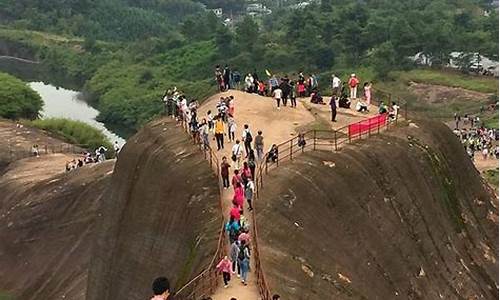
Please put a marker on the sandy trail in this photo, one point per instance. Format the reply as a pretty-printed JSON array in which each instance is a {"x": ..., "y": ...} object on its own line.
[{"x": 260, "y": 113}]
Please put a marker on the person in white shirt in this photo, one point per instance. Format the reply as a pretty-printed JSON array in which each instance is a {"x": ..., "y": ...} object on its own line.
[
  {"x": 231, "y": 124},
  {"x": 336, "y": 85},
  {"x": 249, "y": 192},
  {"x": 236, "y": 153},
  {"x": 393, "y": 114},
  {"x": 278, "y": 95}
]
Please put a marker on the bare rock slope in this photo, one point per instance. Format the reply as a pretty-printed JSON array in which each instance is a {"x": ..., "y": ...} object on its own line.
[
  {"x": 161, "y": 216},
  {"x": 401, "y": 216}
]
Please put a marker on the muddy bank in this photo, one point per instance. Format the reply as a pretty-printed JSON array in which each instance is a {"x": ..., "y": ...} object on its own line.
[
  {"x": 401, "y": 217},
  {"x": 161, "y": 216},
  {"x": 47, "y": 227}
]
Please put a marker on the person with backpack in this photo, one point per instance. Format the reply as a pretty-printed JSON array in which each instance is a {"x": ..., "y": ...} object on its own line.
[
  {"x": 247, "y": 138},
  {"x": 236, "y": 154},
  {"x": 224, "y": 172},
  {"x": 224, "y": 266},
  {"x": 233, "y": 228},
  {"x": 249, "y": 192},
  {"x": 244, "y": 261},
  {"x": 234, "y": 250},
  {"x": 353, "y": 85},
  {"x": 246, "y": 173}
]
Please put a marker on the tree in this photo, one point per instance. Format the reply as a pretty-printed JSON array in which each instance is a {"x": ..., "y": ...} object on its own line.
[
  {"x": 224, "y": 41},
  {"x": 247, "y": 33},
  {"x": 383, "y": 59}
]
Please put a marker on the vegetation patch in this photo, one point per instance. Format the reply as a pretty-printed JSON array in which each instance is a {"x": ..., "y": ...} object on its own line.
[
  {"x": 75, "y": 132},
  {"x": 17, "y": 99},
  {"x": 481, "y": 84},
  {"x": 492, "y": 177}
]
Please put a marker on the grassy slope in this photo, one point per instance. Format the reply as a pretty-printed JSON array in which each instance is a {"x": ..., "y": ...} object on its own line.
[
  {"x": 400, "y": 82},
  {"x": 452, "y": 79},
  {"x": 75, "y": 132}
]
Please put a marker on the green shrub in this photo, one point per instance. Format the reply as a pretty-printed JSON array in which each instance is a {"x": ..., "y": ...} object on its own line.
[
  {"x": 75, "y": 132},
  {"x": 18, "y": 100}
]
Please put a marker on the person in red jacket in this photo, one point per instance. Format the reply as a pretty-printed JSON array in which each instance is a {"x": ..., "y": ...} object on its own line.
[
  {"x": 353, "y": 85},
  {"x": 235, "y": 213}
]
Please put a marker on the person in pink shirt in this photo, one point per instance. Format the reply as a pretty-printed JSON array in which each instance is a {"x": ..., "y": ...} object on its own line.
[
  {"x": 236, "y": 178},
  {"x": 224, "y": 266},
  {"x": 367, "y": 87},
  {"x": 235, "y": 213},
  {"x": 161, "y": 289},
  {"x": 231, "y": 106},
  {"x": 239, "y": 197}
]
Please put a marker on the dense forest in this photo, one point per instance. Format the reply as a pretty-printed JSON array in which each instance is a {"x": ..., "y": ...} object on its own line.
[
  {"x": 19, "y": 101},
  {"x": 127, "y": 52}
]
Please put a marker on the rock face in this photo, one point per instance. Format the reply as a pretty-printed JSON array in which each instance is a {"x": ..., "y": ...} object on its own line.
[
  {"x": 161, "y": 216},
  {"x": 47, "y": 227},
  {"x": 404, "y": 216}
]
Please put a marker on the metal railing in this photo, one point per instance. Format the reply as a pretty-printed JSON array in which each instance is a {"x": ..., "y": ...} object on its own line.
[
  {"x": 332, "y": 140},
  {"x": 19, "y": 152},
  {"x": 205, "y": 283}
]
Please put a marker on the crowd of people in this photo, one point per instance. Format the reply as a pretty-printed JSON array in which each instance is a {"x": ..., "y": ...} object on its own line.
[
  {"x": 98, "y": 156},
  {"x": 285, "y": 90},
  {"x": 247, "y": 149},
  {"x": 475, "y": 137}
]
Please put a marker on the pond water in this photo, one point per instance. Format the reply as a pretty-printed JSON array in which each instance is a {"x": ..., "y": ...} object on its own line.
[{"x": 63, "y": 103}]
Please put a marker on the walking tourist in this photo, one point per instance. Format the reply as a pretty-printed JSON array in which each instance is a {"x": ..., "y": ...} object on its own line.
[
  {"x": 224, "y": 172},
  {"x": 219, "y": 133},
  {"x": 236, "y": 154},
  {"x": 244, "y": 262},
  {"x": 249, "y": 192},
  {"x": 247, "y": 139},
  {"x": 259, "y": 145},
  {"x": 277, "y": 94},
  {"x": 233, "y": 254},
  {"x": 224, "y": 267}
]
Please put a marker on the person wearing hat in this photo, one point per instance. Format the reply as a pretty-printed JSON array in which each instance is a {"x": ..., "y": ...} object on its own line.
[{"x": 353, "y": 85}]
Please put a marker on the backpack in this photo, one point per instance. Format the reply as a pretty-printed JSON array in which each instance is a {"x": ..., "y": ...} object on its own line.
[
  {"x": 248, "y": 137},
  {"x": 241, "y": 254}
]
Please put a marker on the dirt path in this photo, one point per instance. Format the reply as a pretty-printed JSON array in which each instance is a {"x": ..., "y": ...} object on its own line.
[{"x": 260, "y": 113}]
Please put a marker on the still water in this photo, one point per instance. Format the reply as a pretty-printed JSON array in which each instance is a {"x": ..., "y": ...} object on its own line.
[{"x": 63, "y": 103}]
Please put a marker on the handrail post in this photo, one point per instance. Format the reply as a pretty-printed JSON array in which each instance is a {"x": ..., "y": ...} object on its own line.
[
  {"x": 335, "y": 139},
  {"x": 291, "y": 148},
  {"x": 314, "y": 140}
]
